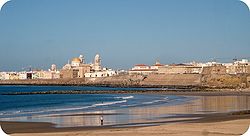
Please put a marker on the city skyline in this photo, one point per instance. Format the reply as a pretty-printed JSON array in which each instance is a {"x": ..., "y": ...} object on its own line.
[{"x": 41, "y": 33}]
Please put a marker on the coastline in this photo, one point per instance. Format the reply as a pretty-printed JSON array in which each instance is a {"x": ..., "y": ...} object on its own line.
[
  {"x": 215, "y": 124},
  {"x": 210, "y": 123}
]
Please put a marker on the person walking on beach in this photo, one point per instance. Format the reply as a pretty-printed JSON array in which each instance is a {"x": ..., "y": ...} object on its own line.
[{"x": 101, "y": 119}]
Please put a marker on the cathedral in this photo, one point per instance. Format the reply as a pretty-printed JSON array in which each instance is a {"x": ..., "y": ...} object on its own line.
[{"x": 79, "y": 69}]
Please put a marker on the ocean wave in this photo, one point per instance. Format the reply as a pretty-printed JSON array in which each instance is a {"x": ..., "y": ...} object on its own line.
[
  {"x": 166, "y": 98},
  {"x": 110, "y": 103},
  {"x": 86, "y": 107},
  {"x": 39, "y": 111},
  {"x": 156, "y": 101},
  {"x": 131, "y": 105},
  {"x": 70, "y": 109},
  {"x": 125, "y": 97}
]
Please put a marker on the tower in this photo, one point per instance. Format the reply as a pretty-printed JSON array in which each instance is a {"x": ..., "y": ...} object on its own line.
[
  {"x": 81, "y": 57},
  {"x": 97, "y": 63},
  {"x": 53, "y": 67}
]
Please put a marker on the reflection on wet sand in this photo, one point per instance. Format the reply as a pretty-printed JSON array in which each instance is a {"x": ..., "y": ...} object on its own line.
[
  {"x": 200, "y": 105},
  {"x": 224, "y": 103}
]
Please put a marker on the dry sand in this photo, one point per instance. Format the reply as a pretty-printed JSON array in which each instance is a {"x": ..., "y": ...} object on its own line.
[{"x": 224, "y": 128}]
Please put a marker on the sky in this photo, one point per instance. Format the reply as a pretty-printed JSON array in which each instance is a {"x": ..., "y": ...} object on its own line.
[{"x": 39, "y": 33}]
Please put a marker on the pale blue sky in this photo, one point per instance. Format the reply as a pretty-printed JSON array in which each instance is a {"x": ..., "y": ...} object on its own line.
[{"x": 124, "y": 32}]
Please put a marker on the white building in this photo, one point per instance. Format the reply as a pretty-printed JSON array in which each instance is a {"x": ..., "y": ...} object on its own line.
[
  {"x": 22, "y": 75},
  {"x": 2, "y": 75},
  {"x": 242, "y": 62},
  {"x": 239, "y": 67},
  {"x": 5, "y": 76},
  {"x": 103, "y": 73},
  {"x": 143, "y": 69},
  {"x": 98, "y": 71}
]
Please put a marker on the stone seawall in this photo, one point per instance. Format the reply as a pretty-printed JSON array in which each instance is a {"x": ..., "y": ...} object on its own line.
[
  {"x": 43, "y": 82},
  {"x": 173, "y": 79},
  {"x": 225, "y": 81},
  {"x": 154, "y": 80}
]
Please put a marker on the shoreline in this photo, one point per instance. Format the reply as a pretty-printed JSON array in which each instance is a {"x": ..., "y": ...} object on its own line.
[{"x": 26, "y": 128}]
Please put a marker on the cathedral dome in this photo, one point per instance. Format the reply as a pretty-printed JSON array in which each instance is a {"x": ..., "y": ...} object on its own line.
[{"x": 76, "y": 60}]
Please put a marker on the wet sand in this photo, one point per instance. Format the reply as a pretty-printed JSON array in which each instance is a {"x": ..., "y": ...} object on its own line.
[{"x": 216, "y": 125}]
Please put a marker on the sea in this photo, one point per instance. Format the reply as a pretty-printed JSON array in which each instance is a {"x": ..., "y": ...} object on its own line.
[
  {"x": 25, "y": 107},
  {"x": 80, "y": 110}
]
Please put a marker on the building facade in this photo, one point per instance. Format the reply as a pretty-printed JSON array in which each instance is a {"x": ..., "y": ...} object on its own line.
[
  {"x": 103, "y": 73},
  {"x": 142, "y": 69},
  {"x": 78, "y": 69},
  {"x": 239, "y": 67},
  {"x": 180, "y": 69}
]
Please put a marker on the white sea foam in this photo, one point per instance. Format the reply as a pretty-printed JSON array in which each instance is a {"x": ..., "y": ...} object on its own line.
[
  {"x": 46, "y": 110},
  {"x": 155, "y": 101},
  {"x": 62, "y": 109},
  {"x": 110, "y": 103},
  {"x": 131, "y": 105},
  {"x": 125, "y": 97},
  {"x": 17, "y": 111},
  {"x": 91, "y": 106}
]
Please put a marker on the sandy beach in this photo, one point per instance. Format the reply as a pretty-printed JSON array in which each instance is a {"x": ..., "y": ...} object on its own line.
[{"x": 230, "y": 125}]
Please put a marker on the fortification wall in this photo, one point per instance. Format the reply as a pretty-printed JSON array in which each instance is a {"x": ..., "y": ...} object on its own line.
[
  {"x": 154, "y": 80},
  {"x": 173, "y": 79},
  {"x": 225, "y": 81}
]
